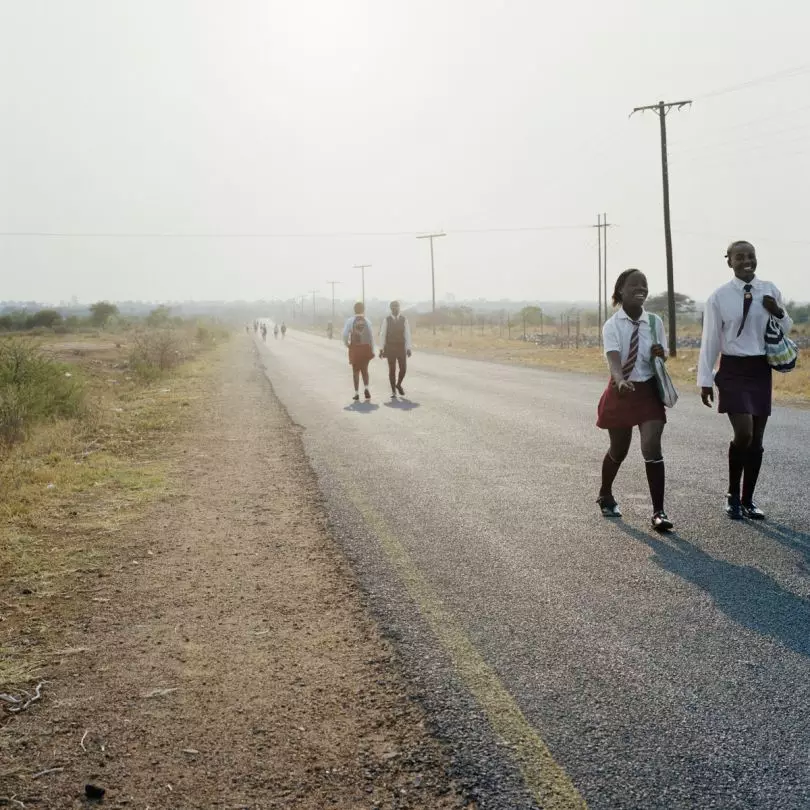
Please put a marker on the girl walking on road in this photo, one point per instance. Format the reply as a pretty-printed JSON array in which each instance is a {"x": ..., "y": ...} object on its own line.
[
  {"x": 631, "y": 398},
  {"x": 734, "y": 324},
  {"x": 359, "y": 338}
]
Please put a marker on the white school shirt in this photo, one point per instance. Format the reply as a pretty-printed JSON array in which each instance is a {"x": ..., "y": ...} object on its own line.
[
  {"x": 384, "y": 332},
  {"x": 347, "y": 330},
  {"x": 721, "y": 322},
  {"x": 616, "y": 334}
]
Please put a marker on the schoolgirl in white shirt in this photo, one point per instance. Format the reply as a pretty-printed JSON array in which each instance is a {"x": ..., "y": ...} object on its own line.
[
  {"x": 734, "y": 324},
  {"x": 631, "y": 398}
]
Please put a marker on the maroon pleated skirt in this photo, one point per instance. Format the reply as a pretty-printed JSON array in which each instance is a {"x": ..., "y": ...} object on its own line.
[
  {"x": 630, "y": 408},
  {"x": 744, "y": 385}
]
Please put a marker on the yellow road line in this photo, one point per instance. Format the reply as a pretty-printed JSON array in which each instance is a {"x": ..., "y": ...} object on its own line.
[{"x": 546, "y": 779}]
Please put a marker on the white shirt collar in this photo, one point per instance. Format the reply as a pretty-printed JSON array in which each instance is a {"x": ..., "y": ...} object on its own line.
[
  {"x": 622, "y": 314},
  {"x": 739, "y": 283}
]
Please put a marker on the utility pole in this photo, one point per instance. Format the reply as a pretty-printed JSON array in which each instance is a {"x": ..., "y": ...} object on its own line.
[
  {"x": 362, "y": 268},
  {"x": 602, "y": 304},
  {"x": 432, "y": 236},
  {"x": 661, "y": 109},
  {"x": 598, "y": 227},
  {"x": 314, "y": 318},
  {"x": 333, "y": 299}
]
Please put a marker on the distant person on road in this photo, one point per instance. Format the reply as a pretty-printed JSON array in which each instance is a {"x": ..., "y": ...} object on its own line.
[
  {"x": 631, "y": 398},
  {"x": 264, "y": 332},
  {"x": 275, "y": 331},
  {"x": 283, "y": 330},
  {"x": 359, "y": 339},
  {"x": 734, "y": 324},
  {"x": 330, "y": 330},
  {"x": 395, "y": 339}
]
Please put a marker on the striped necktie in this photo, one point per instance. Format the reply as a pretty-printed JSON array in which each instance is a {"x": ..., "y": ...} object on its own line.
[
  {"x": 747, "y": 298},
  {"x": 632, "y": 356}
]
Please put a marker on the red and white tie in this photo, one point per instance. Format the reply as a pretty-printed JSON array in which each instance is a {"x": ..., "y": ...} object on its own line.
[{"x": 630, "y": 363}]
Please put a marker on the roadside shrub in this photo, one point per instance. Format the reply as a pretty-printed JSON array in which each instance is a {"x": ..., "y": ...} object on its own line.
[
  {"x": 156, "y": 351},
  {"x": 34, "y": 388}
]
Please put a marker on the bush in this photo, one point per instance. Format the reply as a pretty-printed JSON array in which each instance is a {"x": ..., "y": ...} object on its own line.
[
  {"x": 33, "y": 388},
  {"x": 155, "y": 352}
]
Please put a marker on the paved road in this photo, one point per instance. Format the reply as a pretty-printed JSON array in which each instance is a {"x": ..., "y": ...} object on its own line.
[{"x": 661, "y": 672}]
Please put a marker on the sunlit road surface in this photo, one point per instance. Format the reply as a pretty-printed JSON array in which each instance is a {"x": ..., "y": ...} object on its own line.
[{"x": 621, "y": 668}]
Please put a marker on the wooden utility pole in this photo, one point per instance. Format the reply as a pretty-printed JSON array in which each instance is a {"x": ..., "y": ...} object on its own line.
[
  {"x": 433, "y": 236},
  {"x": 314, "y": 318},
  {"x": 362, "y": 268},
  {"x": 333, "y": 299},
  {"x": 661, "y": 109}
]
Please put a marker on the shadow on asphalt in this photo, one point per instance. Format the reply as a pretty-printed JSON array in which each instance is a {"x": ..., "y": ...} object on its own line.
[
  {"x": 746, "y": 595},
  {"x": 794, "y": 540},
  {"x": 362, "y": 407},
  {"x": 401, "y": 404}
]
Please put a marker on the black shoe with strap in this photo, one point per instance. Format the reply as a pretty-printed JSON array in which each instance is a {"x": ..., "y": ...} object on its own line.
[
  {"x": 661, "y": 523},
  {"x": 608, "y": 505},
  {"x": 734, "y": 507},
  {"x": 752, "y": 511}
]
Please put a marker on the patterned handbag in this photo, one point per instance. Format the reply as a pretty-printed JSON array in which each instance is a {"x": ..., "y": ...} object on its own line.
[
  {"x": 780, "y": 351},
  {"x": 666, "y": 388}
]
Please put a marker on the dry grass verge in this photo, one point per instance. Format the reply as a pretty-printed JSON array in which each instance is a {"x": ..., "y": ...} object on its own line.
[
  {"x": 792, "y": 388},
  {"x": 69, "y": 488}
]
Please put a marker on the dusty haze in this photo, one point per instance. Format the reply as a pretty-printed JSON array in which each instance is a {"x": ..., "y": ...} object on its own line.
[{"x": 227, "y": 130}]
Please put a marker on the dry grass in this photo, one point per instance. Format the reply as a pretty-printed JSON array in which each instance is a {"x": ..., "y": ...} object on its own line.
[
  {"x": 793, "y": 388},
  {"x": 68, "y": 490}
]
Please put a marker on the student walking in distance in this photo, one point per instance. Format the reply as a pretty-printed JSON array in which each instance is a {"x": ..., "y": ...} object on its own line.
[
  {"x": 264, "y": 332},
  {"x": 283, "y": 330},
  {"x": 359, "y": 339},
  {"x": 275, "y": 331},
  {"x": 734, "y": 324},
  {"x": 631, "y": 398},
  {"x": 395, "y": 339}
]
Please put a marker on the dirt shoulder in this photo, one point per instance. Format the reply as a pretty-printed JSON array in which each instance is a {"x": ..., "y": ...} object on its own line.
[{"x": 229, "y": 661}]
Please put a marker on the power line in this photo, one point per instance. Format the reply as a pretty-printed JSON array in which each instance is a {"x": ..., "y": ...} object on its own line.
[
  {"x": 312, "y": 235},
  {"x": 789, "y": 73}
]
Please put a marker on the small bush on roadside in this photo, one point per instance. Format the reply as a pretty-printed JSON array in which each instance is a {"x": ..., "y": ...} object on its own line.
[
  {"x": 33, "y": 388},
  {"x": 155, "y": 352}
]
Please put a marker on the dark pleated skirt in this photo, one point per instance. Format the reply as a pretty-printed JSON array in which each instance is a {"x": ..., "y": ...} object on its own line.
[
  {"x": 630, "y": 408},
  {"x": 744, "y": 385}
]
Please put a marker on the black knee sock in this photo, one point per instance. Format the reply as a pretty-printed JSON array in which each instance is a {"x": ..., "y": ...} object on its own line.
[
  {"x": 656, "y": 478},
  {"x": 736, "y": 462},
  {"x": 753, "y": 462},
  {"x": 609, "y": 470}
]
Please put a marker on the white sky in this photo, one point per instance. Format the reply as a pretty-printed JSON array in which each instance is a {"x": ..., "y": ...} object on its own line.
[{"x": 336, "y": 116}]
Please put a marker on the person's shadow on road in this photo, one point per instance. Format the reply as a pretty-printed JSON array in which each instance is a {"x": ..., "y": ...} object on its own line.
[
  {"x": 794, "y": 540},
  {"x": 362, "y": 407},
  {"x": 401, "y": 404},
  {"x": 746, "y": 595}
]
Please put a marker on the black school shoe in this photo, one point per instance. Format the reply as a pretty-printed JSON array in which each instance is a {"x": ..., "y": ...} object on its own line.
[
  {"x": 661, "y": 523},
  {"x": 356, "y": 397},
  {"x": 609, "y": 506},
  {"x": 734, "y": 507},
  {"x": 401, "y": 392},
  {"x": 368, "y": 394},
  {"x": 752, "y": 511}
]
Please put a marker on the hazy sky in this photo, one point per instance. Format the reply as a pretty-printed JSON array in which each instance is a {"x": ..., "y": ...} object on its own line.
[{"x": 239, "y": 124}]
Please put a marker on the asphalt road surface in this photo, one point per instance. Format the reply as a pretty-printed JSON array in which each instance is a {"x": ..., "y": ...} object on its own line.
[{"x": 655, "y": 671}]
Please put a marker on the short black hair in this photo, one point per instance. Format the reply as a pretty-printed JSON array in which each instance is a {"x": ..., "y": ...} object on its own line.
[
  {"x": 393, "y": 302},
  {"x": 359, "y": 308},
  {"x": 617, "y": 289},
  {"x": 731, "y": 247}
]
